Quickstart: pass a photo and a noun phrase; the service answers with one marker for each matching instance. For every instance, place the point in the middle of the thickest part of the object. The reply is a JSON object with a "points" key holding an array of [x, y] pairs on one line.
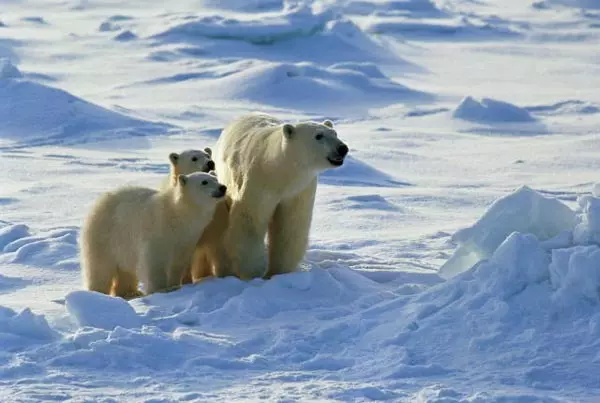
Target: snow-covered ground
{"points": [[453, 258]]}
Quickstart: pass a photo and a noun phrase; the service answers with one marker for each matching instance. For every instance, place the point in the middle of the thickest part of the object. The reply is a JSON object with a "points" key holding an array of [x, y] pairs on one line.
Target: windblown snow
{"points": [[454, 257]]}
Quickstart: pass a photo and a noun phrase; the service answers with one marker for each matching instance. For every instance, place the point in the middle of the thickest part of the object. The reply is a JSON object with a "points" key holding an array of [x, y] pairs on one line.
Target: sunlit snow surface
{"points": [[453, 258]]}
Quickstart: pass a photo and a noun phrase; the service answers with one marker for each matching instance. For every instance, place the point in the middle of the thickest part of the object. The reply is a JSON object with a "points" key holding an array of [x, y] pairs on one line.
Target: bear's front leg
{"points": [[288, 231], [153, 268], [244, 245]]}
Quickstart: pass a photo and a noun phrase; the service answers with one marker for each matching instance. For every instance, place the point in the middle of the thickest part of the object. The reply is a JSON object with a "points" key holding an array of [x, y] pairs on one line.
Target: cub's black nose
{"points": [[210, 165], [342, 150], [223, 188]]}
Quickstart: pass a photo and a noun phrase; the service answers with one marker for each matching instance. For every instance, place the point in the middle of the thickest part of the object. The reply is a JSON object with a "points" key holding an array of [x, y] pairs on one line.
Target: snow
{"points": [[100, 311], [454, 257], [524, 210], [490, 110]]}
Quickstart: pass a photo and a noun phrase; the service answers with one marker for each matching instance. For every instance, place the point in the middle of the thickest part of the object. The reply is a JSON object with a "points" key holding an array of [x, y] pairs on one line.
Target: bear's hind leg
{"points": [[126, 285], [99, 276], [288, 231]]}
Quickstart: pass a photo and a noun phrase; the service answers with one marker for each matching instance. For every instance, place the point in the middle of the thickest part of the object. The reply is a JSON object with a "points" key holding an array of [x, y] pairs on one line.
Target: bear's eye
{"points": [[205, 182], [319, 136], [194, 159]]}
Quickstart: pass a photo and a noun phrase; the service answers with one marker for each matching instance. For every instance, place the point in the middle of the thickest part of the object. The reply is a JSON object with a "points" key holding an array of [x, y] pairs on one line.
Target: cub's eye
{"points": [[194, 159], [205, 182], [318, 136]]}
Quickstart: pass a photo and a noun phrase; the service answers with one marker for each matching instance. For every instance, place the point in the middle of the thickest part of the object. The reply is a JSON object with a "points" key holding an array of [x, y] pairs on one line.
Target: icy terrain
{"points": [[455, 257]]}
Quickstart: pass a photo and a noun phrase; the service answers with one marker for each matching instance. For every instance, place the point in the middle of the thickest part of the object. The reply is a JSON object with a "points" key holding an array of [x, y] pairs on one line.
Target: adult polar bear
{"points": [[270, 169]]}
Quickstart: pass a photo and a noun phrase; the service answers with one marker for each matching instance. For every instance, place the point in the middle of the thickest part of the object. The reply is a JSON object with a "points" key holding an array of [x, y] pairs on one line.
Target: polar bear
{"points": [[140, 233], [270, 169], [187, 162]]}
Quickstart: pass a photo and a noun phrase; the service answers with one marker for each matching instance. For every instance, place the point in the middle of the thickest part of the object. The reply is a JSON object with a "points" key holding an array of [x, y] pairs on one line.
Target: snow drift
{"points": [[339, 88], [291, 23], [35, 114], [524, 211], [489, 110], [295, 34], [386, 8], [336, 322]]}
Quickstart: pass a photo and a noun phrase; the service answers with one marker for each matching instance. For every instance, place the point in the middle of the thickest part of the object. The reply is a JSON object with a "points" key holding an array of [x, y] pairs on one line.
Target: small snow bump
{"points": [[488, 110], [89, 308], [125, 36], [9, 70], [108, 26]]}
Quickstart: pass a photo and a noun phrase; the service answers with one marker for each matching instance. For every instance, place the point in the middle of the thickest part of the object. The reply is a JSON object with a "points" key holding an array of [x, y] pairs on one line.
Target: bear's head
{"points": [[200, 188], [315, 144], [190, 161]]}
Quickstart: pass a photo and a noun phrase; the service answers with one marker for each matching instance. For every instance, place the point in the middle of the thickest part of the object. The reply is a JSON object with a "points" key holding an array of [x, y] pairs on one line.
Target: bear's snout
{"points": [[220, 192], [342, 150], [210, 165]]}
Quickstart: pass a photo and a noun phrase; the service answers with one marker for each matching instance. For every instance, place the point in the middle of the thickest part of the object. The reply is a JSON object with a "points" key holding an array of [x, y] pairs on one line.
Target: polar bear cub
{"points": [[187, 162], [140, 233]]}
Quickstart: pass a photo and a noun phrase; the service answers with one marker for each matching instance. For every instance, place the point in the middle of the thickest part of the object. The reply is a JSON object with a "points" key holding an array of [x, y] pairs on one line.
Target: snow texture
{"points": [[453, 258]]}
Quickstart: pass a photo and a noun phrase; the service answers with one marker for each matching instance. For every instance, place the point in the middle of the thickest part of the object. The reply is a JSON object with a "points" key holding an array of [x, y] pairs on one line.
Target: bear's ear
{"points": [[182, 180], [174, 157], [288, 130], [328, 123], [208, 151], [213, 173]]}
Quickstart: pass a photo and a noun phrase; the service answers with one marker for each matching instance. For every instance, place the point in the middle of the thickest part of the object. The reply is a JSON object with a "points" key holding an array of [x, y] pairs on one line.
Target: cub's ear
{"points": [[213, 173], [174, 158], [208, 151], [288, 130], [328, 123], [182, 180]]}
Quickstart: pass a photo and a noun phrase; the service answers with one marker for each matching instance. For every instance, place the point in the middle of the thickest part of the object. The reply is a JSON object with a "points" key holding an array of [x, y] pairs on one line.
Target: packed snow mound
{"points": [[9, 70], [572, 272], [34, 114], [18, 329], [587, 230], [524, 210], [244, 5], [56, 247], [293, 34], [339, 88], [489, 110], [575, 275], [100, 311], [385, 8], [293, 22], [335, 321]]}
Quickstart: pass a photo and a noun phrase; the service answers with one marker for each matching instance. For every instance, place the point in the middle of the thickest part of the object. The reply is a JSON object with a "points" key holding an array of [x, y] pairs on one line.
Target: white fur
{"points": [[187, 162], [270, 169], [139, 233]]}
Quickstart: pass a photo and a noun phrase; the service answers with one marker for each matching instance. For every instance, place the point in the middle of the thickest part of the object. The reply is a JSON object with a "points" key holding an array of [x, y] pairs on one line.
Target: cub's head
{"points": [[315, 144], [191, 161], [201, 188]]}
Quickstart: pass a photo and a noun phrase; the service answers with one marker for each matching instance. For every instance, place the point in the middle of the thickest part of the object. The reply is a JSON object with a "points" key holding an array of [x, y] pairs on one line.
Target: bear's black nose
{"points": [[223, 188], [342, 150], [210, 165]]}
